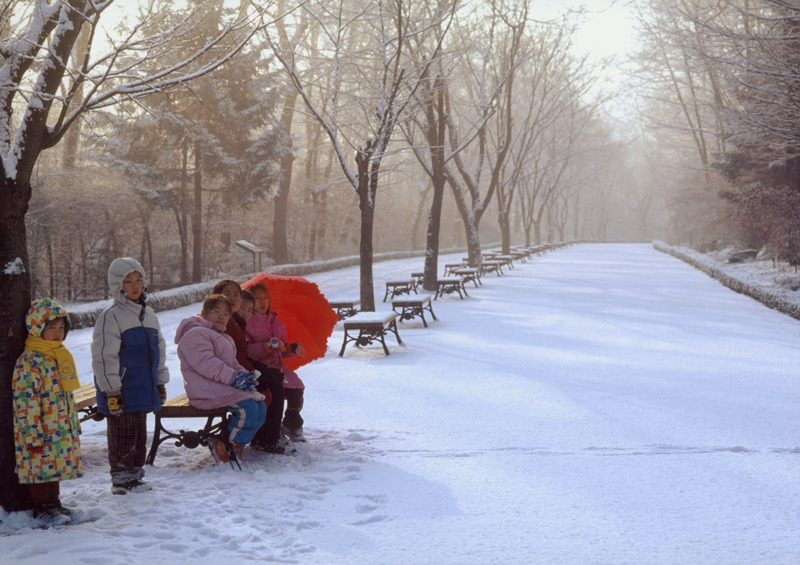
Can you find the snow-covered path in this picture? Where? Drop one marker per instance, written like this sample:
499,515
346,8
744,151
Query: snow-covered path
598,404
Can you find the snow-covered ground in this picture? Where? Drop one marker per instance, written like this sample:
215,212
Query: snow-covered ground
597,404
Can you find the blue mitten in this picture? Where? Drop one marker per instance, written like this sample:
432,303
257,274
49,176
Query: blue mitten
245,381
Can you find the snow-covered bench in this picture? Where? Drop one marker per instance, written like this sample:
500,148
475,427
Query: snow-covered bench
396,288
410,308
371,327
469,274
450,285
491,267
345,308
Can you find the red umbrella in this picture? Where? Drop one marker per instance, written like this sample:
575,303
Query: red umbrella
304,311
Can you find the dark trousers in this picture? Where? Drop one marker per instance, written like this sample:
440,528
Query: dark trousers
43,494
271,379
294,403
127,446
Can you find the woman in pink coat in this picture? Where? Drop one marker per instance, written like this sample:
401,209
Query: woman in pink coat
213,378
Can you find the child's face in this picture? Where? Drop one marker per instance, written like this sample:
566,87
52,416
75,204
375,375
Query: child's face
262,301
218,316
234,296
55,330
133,286
246,309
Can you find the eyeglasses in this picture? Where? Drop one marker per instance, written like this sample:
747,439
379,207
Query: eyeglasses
223,314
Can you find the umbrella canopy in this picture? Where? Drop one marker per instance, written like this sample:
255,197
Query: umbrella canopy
304,311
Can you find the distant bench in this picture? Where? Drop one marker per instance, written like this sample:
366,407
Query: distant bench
449,268
410,308
491,267
396,288
179,407
345,308
449,286
472,274
371,327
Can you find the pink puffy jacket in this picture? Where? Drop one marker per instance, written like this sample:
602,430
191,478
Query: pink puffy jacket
208,365
261,328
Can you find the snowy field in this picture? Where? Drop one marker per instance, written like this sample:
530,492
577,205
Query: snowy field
597,404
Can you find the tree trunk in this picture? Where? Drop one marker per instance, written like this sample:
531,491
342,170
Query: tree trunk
418,215
474,251
367,291
197,217
280,246
366,202
505,231
432,246
14,301
437,140
180,217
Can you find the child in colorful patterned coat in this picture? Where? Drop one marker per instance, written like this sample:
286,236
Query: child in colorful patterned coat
46,425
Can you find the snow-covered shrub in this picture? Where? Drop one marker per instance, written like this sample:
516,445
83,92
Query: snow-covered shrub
729,277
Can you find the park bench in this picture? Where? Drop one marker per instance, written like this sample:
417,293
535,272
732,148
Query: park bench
397,288
371,327
491,267
345,308
450,285
179,407
86,402
450,267
520,255
469,274
505,260
410,308
419,278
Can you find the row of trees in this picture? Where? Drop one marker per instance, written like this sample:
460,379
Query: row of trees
722,77
186,128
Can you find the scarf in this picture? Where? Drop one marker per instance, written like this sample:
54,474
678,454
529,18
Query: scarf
67,375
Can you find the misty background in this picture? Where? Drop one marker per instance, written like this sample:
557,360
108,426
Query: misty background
515,122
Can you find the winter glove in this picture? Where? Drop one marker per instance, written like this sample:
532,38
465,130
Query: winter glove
246,381
162,393
115,403
274,344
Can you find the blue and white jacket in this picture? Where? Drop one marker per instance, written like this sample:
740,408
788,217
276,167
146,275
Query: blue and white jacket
128,349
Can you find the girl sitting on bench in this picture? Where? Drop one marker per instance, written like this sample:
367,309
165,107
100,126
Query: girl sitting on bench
213,378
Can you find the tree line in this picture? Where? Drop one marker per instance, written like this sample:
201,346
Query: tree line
720,101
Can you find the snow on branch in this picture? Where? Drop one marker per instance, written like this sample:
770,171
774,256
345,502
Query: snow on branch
48,69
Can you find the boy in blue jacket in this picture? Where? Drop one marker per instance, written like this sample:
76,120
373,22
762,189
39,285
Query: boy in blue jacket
129,364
